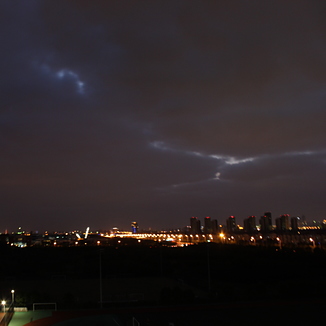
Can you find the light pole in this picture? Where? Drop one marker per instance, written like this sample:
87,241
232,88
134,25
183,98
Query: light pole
12,296
3,302
208,269
101,289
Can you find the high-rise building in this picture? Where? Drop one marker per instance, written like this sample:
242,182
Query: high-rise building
282,222
215,227
295,223
266,222
249,224
208,225
195,225
134,227
231,225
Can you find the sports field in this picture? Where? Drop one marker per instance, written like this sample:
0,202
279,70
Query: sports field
236,313
49,318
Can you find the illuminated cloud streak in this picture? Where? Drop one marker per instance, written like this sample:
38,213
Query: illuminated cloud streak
66,73
63,74
233,166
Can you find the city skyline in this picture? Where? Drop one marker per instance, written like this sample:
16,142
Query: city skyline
158,111
287,232
263,223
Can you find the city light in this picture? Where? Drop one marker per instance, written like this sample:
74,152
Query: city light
265,233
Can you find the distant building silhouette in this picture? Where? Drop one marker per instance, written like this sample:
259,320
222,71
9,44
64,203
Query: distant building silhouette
295,223
231,225
266,222
282,222
250,224
194,225
208,225
215,227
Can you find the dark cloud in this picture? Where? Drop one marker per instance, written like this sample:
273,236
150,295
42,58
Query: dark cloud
157,111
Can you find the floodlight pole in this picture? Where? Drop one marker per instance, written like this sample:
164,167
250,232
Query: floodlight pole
101,290
3,302
208,268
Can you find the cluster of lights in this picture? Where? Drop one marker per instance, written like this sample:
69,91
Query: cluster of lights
170,236
179,239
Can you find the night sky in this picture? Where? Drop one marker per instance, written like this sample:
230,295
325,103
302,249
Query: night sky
156,111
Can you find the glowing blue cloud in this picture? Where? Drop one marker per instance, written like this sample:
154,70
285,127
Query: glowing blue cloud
64,73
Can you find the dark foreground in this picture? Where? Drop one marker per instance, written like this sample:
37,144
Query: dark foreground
205,284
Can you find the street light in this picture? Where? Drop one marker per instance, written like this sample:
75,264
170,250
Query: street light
3,302
12,296
280,242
